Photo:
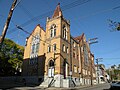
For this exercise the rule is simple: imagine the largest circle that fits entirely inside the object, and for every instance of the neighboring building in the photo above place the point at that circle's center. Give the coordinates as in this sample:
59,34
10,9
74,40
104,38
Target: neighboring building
55,57
93,73
85,58
101,74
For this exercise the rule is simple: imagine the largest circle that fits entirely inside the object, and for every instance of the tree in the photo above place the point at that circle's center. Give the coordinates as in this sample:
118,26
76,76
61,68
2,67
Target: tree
11,58
119,66
114,72
115,26
118,27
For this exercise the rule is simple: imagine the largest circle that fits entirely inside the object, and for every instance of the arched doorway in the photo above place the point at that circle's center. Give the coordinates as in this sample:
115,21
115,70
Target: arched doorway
51,68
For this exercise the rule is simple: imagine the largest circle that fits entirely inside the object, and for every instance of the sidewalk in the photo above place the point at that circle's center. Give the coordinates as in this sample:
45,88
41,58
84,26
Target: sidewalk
71,88
21,86
49,88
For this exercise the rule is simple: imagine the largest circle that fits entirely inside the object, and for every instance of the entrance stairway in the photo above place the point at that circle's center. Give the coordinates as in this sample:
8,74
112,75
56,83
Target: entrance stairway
47,82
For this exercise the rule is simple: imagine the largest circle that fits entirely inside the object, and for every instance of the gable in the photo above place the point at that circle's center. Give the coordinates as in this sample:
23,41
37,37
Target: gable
38,30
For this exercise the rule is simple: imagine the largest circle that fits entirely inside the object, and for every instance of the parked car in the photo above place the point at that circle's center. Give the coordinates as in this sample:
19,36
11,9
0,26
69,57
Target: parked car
114,81
115,86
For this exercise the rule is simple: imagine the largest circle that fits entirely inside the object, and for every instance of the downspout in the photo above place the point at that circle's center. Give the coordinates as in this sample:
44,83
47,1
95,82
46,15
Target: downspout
70,60
79,60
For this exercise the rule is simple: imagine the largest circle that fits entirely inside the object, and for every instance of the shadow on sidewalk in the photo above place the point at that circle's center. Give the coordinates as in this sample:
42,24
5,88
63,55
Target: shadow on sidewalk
10,85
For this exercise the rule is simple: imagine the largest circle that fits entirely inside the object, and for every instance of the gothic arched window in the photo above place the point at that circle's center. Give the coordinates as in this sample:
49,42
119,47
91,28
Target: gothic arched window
65,32
35,44
53,31
63,48
54,47
33,48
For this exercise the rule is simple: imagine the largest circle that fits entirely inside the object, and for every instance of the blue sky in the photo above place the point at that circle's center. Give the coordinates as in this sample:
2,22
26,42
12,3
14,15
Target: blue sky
90,18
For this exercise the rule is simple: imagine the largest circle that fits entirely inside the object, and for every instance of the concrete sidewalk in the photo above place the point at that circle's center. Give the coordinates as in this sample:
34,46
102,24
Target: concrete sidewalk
72,88
49,88
54,88
21,86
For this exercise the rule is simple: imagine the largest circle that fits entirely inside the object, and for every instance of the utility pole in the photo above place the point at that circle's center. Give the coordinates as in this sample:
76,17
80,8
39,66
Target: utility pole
91,41
7,23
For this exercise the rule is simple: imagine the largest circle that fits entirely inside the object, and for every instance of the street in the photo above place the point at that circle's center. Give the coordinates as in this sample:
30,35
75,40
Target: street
105,86
98,87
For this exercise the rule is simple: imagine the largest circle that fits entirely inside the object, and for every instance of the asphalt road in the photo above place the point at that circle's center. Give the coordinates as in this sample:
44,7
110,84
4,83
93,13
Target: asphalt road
105,86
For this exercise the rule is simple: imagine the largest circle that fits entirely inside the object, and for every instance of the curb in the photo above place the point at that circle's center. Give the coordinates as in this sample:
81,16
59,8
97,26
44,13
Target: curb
71,88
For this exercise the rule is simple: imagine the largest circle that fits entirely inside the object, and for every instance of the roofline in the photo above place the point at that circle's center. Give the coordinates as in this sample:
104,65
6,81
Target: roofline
74,39
78,36
34,30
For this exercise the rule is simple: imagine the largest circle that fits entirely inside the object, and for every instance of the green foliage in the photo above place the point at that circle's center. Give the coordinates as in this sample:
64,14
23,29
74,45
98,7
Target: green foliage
119,66
11,57
118,28
114,73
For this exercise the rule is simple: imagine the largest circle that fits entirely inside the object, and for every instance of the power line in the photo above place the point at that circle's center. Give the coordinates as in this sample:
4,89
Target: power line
117,7
71,5
98,12
17,36
102,11
74,4
44,15
1,18
111,58
28,13
20,28
14,35
7,22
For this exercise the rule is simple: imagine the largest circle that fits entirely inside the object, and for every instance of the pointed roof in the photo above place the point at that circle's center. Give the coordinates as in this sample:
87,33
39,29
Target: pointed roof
57,12
35,29
79,37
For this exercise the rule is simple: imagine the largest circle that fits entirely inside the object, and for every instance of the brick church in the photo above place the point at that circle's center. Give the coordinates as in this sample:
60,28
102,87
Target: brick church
53,57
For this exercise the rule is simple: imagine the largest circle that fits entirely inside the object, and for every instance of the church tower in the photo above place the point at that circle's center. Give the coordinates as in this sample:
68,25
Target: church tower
57,46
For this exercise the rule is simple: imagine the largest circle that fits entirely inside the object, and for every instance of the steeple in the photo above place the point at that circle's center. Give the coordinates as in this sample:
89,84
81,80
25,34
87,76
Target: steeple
57,11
